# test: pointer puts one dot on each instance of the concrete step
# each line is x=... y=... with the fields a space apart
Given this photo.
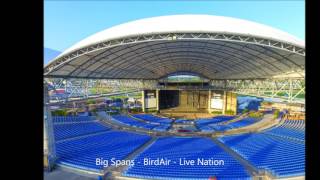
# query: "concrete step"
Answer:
x=117 y=171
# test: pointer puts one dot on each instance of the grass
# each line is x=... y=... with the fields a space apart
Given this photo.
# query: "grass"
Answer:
x=255 y=114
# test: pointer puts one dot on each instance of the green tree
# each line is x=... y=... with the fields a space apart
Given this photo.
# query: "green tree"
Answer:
x=276 y=113
x=229 y=112
x=245 y=110
x=59 y=112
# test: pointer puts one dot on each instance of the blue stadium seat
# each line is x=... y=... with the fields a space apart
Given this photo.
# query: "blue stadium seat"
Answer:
x=122 y=119
x=210 y=125
x=174 y=148
x=162 y=128
x=280 y=156
x=291 y=129
x=70 y=119
x=63 y=131
x=213 y=120
x=182 y=121
x=152 y=118
x=82 y=153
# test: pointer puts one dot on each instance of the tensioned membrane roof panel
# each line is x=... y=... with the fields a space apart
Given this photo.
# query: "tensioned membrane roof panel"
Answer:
x=214 y=46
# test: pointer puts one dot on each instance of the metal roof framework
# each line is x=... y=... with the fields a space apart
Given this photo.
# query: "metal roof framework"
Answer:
x=213 y=55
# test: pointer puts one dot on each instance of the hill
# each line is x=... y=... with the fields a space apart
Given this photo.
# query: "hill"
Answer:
x=49 y=54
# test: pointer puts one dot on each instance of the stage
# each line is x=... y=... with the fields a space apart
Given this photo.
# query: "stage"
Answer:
x=185 y=113
x=188 y=103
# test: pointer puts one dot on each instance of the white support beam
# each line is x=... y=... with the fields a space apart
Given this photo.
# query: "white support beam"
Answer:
x=286 y=89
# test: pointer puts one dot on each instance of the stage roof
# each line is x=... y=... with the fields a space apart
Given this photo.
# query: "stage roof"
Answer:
x=215 y=47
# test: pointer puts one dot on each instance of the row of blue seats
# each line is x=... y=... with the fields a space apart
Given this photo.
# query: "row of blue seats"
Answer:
x=83 y=153
x=152 y=118
x=213 y=120
x=182 y=121
x=63 y=119
x=294 y=124
x=162 y=127
x=214 y=128
x=286 y=133
x=63 y=131
x=83 y=113
x=122 y=119
x=188 y=148
x=291 y=129
x=243 y=122
x=280 y=156
x=223 y=127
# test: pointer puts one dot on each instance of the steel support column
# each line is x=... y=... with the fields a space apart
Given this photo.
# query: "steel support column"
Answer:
x=143 y=104
x=49 y=142
x=157 y=100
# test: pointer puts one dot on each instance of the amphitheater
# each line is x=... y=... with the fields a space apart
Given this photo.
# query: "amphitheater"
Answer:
x=180 y=134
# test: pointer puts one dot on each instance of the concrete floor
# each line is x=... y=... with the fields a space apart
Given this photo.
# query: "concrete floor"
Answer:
x=59 y=174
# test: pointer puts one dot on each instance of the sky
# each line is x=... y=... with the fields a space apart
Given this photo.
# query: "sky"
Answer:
x=49 y=54
x=67 y=22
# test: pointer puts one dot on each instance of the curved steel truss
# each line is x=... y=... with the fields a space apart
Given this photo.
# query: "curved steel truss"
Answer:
x=215 y=55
